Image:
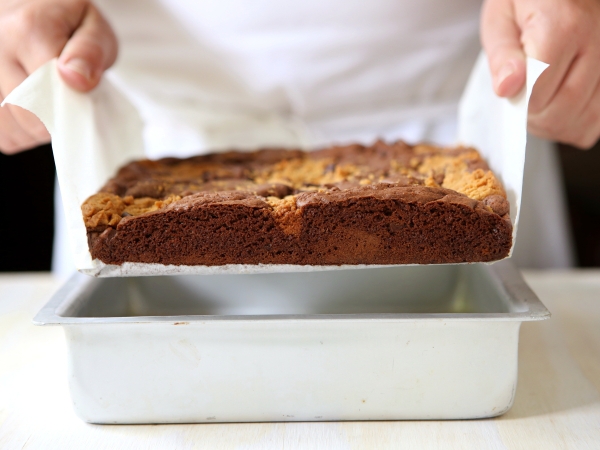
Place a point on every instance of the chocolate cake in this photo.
(379, 204)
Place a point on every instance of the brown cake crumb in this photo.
(379, 204)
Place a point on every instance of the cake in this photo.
(386, 203)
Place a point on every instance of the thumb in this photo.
(500, 37)
(89, 52)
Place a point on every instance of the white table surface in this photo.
(557, 403)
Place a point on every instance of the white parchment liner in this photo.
(94, 134)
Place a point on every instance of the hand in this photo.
(33, 32)
(565, 103)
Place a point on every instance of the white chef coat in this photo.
(222, 74)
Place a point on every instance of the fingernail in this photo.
(80, 66)
(506, 71)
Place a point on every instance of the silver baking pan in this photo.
(428, 342)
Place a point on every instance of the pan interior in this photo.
(408, 289)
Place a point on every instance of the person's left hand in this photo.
(565, 103)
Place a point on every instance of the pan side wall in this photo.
(292, 370)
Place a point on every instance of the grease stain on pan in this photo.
(186, 351)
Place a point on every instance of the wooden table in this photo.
(557, 403)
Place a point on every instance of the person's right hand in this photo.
(32, 32)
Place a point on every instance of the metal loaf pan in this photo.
(424, 342)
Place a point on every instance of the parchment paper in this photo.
(94, 134)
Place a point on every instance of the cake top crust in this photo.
(287, 179)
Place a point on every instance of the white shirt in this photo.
(232, 73)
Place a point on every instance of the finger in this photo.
(91, 50)
(44, 32)
(574, 95)
(540, 42)
(587, 132)
(39, 34)
(12, 137)
(582, 132)
(591, 132)
(11, 75)
(580, 85)
(500, 37)
(7, 145)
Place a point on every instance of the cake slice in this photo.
(379, 204)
